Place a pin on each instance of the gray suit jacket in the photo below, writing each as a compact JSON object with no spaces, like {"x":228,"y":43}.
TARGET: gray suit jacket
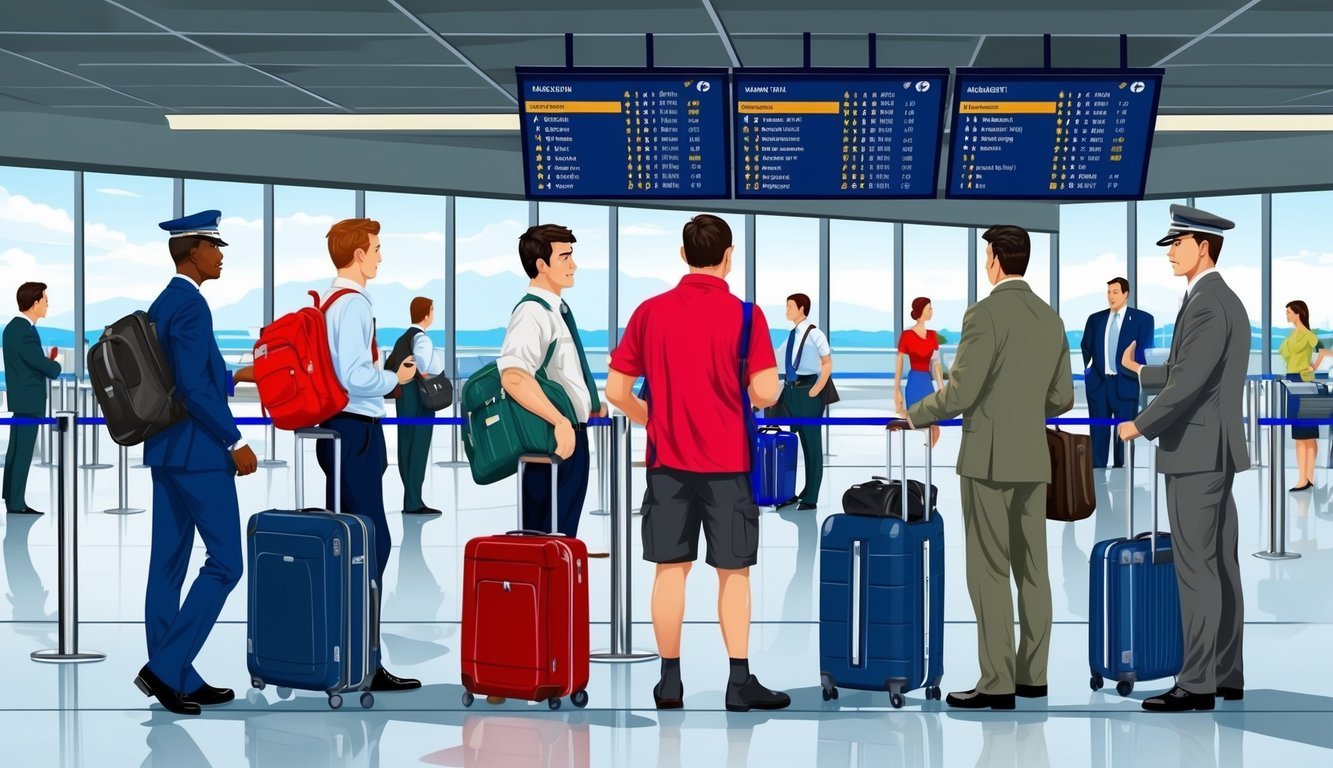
{"x":1010,"y":374}
{"x":1196,"y":419}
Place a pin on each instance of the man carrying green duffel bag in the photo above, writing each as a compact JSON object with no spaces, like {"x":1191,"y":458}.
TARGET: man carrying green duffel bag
{"x":537,"y":397}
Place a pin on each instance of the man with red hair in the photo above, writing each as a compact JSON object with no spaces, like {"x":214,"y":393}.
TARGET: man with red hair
{"x":354,"y":247}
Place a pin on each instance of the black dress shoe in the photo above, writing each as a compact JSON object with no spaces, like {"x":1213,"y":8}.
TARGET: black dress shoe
{"x":1179,"y":700}
{"x":172,"y":700}
{"x":422,"y":511}
{"x":806,"y":506}
{"x":750,"y":694}
{"x":1306,"y":487}
{"x":1030,"y":691}
{"x":24,"y":511}
{"x":789,"y":502}
{"x":207,"y":695}
{"x":386,"y":682}
{"x":669,"y":696}
{"x":975,"y":699}
{"x":1230,"y":694}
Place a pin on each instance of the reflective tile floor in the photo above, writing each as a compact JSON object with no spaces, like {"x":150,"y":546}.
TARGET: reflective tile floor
{"x":93,"y":716}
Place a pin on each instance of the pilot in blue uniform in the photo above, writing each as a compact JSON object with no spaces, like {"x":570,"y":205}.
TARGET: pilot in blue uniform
{"x":194,"y":464}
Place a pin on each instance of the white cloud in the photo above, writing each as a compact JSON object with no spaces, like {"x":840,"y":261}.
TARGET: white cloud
{"x":117,"y":192}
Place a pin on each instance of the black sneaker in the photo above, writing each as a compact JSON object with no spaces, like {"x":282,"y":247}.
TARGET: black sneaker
{"x":751,"y":694}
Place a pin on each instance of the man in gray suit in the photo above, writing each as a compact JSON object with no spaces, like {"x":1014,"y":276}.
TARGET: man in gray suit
{"x":1196,"y":420}
{"x":1011,"y":373}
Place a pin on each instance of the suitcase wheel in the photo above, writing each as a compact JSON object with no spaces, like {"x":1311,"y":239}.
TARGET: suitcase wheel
{"x":468,"y":698}
{"x":553,"y":702}
{"x":1124,"y":687}
{"x":933,"y":693}
{"x":284,"y":693}
{"x":829,"y":693}
{"x":257,"y":684}
{"x":367,"y":700}
{"x":579,"y":699}
{"x":896,"y":699}
{"x":335,"y":701}
{"x":827,"y":688}
{"x":1096,"y":682}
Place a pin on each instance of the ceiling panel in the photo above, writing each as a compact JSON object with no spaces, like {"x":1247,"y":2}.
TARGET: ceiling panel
{"x":973,"y":17}
{"x":185,"y":97}
{"x":581,"y":16}
{"x":1222,"y":97}
{"x":360,"y":75}
{"x":1259,"y":50}
{"x":1094,"y":52}
{"x":416,"y":98}
{"x":854,"y":50}
{"x":16,"y":71}
{"x":498,"y":56}
{"x":1279,"y":16}
{"x":69,"y":51}
{"x":70,"y":16}
{"x":332,"y":50}
{"x":209,"y":76}
{"x":283,"y":16}
{"x":83,"y":95}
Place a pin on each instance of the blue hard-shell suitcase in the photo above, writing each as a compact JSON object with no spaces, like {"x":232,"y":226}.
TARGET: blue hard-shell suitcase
{"x":1134,"y":628}
{"x":773,"y":476}
{"x":313,"y":620}
{"x":881,"y":602}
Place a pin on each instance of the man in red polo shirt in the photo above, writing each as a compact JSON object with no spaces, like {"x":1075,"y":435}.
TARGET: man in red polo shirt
{"x":686,"y":344}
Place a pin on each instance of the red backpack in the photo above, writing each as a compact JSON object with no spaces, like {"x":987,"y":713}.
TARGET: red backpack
{"x":298,"y":386}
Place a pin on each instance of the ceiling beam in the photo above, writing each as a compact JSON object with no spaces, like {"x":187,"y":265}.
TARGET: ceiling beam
{"x":449,"y":47}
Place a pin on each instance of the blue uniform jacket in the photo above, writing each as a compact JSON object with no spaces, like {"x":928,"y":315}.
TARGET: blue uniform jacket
{"x":203,"y":439}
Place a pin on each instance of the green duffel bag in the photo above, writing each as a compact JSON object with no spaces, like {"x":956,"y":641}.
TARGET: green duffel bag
{"x":497,"y":430}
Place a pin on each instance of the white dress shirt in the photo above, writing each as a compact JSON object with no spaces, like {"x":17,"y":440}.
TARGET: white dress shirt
{"x":1195,"y":281}
{"x":1109,"y":345}
{"x":239,"y":444}
{"x":351,"y":322}
{"x":531,"y":331}
{"x":816,"y":347}
{"x":423,"y":350}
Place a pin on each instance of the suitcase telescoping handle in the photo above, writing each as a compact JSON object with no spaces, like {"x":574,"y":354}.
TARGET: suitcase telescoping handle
{"x":317,"y":434}
{"x":539,"y":458}
{"x":901,"y":426}
{"x":1158,"y":555}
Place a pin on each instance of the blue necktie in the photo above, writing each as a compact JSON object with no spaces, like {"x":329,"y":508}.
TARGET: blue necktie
{"x":1112,"y":340}
{"x":791,"y":368}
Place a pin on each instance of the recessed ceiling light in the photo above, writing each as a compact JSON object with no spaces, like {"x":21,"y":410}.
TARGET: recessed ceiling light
{"x":409,"y":122}
{"x":1250,"y":123}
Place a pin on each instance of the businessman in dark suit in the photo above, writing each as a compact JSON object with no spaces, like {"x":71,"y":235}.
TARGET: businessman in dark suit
{"x":1196,"y":421}
{"x":1112,"y":389}
{"x":194,"y":464}
{"x":27,"y":369}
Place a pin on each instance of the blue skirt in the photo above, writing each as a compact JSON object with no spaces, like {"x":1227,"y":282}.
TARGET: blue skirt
{"x":1302,"y":433}
{"x":919,"y":385}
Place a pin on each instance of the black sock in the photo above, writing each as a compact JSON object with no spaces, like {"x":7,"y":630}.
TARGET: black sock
{"x":670,"y":669}
{"x":740,"y":671}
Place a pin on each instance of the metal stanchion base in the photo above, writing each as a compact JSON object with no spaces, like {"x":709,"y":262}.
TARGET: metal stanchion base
{"x":633,"y":657}
{"x":122,"y":511}
{"x":272,"y":463}
{"x":44,"y":465}
{"x":451,"y":463}
{"x":54,"y":656}
{"x":1276,"y":555}
{"x":599,"y":512}
{"x":94,"y":466}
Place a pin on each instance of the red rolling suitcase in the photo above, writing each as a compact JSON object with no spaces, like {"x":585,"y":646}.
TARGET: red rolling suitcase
{"x":525,"y":613}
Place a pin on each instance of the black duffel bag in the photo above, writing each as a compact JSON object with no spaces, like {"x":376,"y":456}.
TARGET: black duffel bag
{"x":880,"y":498}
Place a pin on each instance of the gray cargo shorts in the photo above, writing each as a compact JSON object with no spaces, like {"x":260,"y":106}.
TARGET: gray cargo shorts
{"x":678,"y":503}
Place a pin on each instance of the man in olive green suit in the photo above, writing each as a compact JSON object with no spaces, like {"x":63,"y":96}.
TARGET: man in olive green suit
{"x":1011,"y":373}
{"x":26,"y":372}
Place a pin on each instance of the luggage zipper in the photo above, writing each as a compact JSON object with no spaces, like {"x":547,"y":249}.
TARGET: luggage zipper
{"x":855,"y":652}
{"x":925,"y":621}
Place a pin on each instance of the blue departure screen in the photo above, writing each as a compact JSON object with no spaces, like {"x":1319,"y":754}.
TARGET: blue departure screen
{"x":837,"y":133}
{"x":656,"y":133}
{"x":1052,"y":134}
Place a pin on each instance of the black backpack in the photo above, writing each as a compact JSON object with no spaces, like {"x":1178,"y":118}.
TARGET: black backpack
{"x":132,"y":381}
{"x":437,"y":392}
{"x":882,"y":497}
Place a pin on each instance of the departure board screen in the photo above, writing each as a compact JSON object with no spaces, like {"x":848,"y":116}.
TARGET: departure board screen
{"x":629,"y":134}
{"x":854,"y":133}
{"x":1052,"y":134}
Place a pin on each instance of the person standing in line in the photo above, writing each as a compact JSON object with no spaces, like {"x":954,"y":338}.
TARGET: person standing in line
{"x":1197,"y":422}
{"x":1296,"y":351}
{"x":920,"y":348}
{"x":194,"y":464}
{"x":26,"y":372}
{"x":1112,"y":389}
{"x":809,"y":366}
{"x":686,"y":344}
{"x":1010,"y":374}
{"x":414,"y":439}
{"x":354,"y":247}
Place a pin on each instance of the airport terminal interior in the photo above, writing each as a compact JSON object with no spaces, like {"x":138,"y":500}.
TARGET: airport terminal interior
{"x":113,"y":118}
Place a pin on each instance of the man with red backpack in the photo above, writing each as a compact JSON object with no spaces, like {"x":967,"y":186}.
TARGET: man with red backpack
{"x":354,"y":247}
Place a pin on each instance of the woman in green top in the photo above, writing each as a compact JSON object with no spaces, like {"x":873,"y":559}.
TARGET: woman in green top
{"x":1296,"y":351}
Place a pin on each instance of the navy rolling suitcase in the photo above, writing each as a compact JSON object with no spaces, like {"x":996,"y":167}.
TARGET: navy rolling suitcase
{"x":1134,"y":602}
{"x":881,"y":600}
{"x":313,"y":621}
{"x":773,"y":476}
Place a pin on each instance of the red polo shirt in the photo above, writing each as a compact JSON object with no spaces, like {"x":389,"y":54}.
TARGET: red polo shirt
{"x":686,"y":343}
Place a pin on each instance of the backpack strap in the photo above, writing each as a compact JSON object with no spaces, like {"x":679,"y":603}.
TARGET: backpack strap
{"x":550,"y":351}
{"x":747,"y":413}
{"x":338,"y":294}
{"x":800,"y":348}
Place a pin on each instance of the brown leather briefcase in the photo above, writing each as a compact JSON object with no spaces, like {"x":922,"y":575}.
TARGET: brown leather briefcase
{"x":1070,"y":496}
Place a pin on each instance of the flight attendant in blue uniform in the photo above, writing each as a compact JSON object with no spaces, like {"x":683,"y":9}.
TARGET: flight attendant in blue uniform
{"x":194,"y":465}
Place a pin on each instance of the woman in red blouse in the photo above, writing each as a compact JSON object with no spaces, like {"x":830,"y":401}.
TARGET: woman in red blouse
{"x":922,"y":349}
